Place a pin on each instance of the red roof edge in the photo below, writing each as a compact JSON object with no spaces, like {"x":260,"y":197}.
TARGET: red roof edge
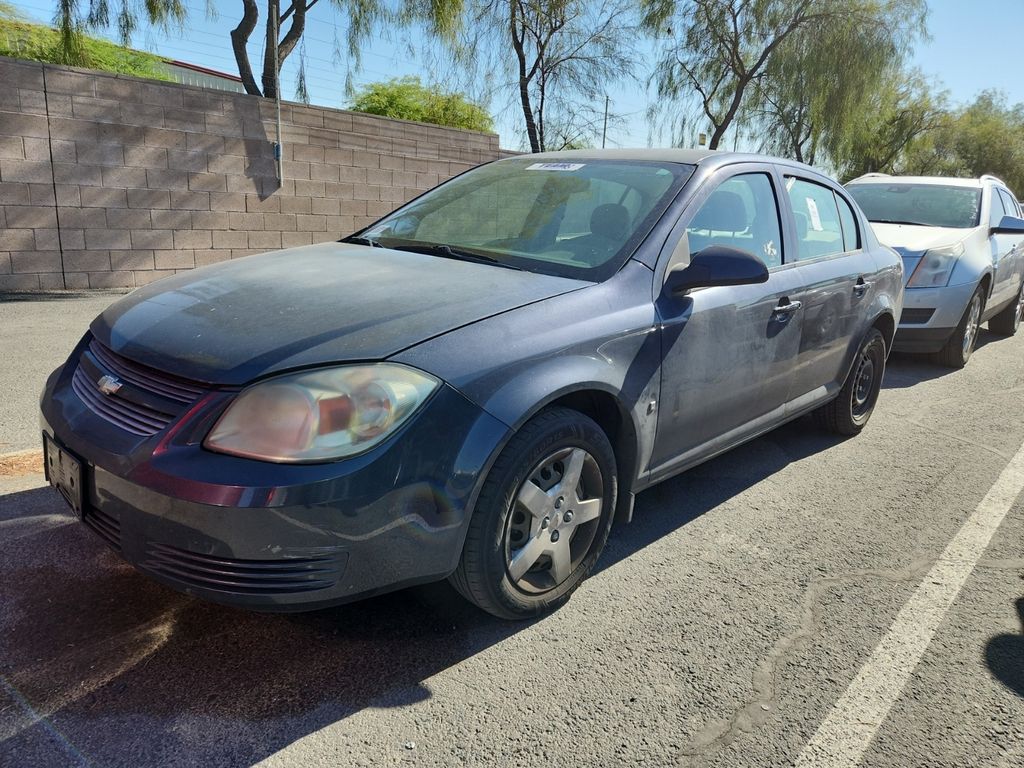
{"x":203,"y":70}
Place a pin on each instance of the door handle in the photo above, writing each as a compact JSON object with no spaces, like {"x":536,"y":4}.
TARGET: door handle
{"x":787,"y":308}
{"x":861,"y":287}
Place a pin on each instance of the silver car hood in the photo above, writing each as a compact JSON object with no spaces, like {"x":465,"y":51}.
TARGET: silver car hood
{"x":914,"y":239}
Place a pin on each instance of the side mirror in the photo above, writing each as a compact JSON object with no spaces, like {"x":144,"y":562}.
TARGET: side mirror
{"x":717,"y":265}
{"x":1010,"y":225}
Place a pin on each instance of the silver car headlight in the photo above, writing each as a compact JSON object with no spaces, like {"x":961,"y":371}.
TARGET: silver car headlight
{"x":320,"y":415}
{"x":935,"y":267}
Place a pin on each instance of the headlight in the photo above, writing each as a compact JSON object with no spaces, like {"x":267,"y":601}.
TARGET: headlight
{"x":320,"y":415}
{"x":935,"y":267}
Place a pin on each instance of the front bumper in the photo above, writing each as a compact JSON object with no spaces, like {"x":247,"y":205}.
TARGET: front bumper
{"x":948,"y":304}
{"x":273,"y":536}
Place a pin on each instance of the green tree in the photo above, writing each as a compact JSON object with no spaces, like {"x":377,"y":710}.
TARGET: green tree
{"x":986,"y":136}
{"x":283,"y":33}
{"x":716,"y":52}
{"x":406,"y":98}
{"x":901,"y":112}
{"x":821,"y":79}
{"x":552,"y":61}
{"x":36,"y":42}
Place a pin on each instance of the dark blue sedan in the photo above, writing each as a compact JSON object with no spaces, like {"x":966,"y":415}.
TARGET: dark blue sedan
{"x":474,"y":387}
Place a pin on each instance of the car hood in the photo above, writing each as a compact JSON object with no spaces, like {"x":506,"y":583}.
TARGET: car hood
{"x":915,"y":240}
{"x":239,"y":320}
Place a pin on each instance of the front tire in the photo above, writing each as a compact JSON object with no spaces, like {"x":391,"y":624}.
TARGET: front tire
{"x":542,"y":517}
{"x":958,"y":349}
{"x":849,"y":412}
{"x":1007,"y":321}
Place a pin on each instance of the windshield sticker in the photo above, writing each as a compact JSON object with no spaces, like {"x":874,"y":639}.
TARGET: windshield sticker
{"x":555,"y":166}
{"x":812,"y":209}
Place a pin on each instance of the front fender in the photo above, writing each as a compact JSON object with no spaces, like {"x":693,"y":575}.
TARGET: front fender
{"x":603,"y":338}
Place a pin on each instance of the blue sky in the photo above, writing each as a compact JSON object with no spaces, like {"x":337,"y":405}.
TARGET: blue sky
{"x":974,"y":45}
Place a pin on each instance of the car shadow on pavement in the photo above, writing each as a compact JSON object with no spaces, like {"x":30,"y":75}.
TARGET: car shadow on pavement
{"x":1004,"y":655}
{"x":113,"y":660}
{"x":905,"y":369}
{"x":672,"y":504}
{"x":121,"y":666}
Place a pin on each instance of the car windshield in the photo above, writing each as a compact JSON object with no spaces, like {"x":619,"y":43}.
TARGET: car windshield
{"x":578,"y":219}
{"x":928,"y":205}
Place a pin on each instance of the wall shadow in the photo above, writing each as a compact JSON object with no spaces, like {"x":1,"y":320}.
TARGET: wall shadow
{"x":260,"y":165}
{"x":1004,"y":655}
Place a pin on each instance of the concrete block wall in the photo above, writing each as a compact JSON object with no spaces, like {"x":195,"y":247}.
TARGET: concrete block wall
{"x":109,"y":181}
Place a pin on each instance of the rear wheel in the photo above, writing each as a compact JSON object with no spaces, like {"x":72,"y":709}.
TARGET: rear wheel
{"x":961,"y":344}
{"x":849,"y":412}
{"x":542,"y":518}
{"x":1007,"y":321}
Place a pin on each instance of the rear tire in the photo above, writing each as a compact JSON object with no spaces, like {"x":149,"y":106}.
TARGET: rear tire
{"x":849,"y":412}
{"x":961,"y":344}
{"x":1007,"y":321}
{"x":542,"y":517}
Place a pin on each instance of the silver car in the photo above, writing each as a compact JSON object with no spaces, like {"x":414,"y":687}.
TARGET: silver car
{"x":961,"y":243}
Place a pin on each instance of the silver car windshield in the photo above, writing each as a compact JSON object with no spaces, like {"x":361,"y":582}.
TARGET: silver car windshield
{"x":575,"y":219}
{"x":927,"y":205}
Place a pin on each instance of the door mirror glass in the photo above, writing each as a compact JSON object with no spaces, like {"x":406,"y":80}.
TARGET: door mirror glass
{"x":1010,"y":225}
{"x":717,"y":265}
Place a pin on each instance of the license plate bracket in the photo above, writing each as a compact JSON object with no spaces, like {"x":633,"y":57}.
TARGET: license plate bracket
{"x":64,"y":471}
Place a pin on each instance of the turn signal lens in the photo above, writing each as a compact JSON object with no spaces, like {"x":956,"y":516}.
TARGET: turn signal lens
{"x":320,"y":415}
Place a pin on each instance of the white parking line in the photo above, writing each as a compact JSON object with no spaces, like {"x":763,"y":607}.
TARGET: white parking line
{"x":846,"y":733}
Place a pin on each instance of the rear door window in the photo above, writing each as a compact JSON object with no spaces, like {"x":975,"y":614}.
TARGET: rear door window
{"x":819,"y":231}
{"x":851,"y":237}
{"x":996,"y":211}
{"x":1009,"y":204}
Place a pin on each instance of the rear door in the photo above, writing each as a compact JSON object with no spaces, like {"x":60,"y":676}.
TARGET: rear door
{"x":727,"y":351}
{"x":836,"y":277}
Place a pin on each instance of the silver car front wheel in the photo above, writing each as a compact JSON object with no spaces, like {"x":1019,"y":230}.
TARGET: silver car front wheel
{"x":960,"y":346}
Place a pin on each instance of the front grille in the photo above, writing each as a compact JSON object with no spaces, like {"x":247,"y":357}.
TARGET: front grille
{"x":109,"y":528}
{"x":144,"y":377}
{"x":257,"y":577}
{"x":148,"y":399}
{"x":916,"y":316}
{"x":131,"y":417}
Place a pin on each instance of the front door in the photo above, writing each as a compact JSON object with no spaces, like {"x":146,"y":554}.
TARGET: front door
{"x":728,"y":351}
{"x":1006,"y":251}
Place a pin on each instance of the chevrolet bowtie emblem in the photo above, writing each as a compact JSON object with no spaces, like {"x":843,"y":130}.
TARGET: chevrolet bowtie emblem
{"x":108,"y":385}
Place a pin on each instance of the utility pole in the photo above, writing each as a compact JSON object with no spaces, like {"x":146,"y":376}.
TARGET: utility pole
{"x":275,"y":20}
{"x":604,"y":131}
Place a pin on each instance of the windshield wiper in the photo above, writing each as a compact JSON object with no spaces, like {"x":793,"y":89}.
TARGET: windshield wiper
{"x":897,"y":221}
{"x":357,"y":240}
{"x":448,"y":252}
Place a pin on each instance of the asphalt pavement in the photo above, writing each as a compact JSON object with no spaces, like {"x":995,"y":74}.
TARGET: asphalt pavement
{"x":800,"y":600}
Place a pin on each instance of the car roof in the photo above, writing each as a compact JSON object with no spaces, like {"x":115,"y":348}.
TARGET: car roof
{"x":702,"y":157}
{"x":947,"y":181}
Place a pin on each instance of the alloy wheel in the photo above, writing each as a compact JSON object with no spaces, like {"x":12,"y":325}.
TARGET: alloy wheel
{"x":554,"y":520}
{"x":973,"y":323}
{"x":1020,"y":309}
